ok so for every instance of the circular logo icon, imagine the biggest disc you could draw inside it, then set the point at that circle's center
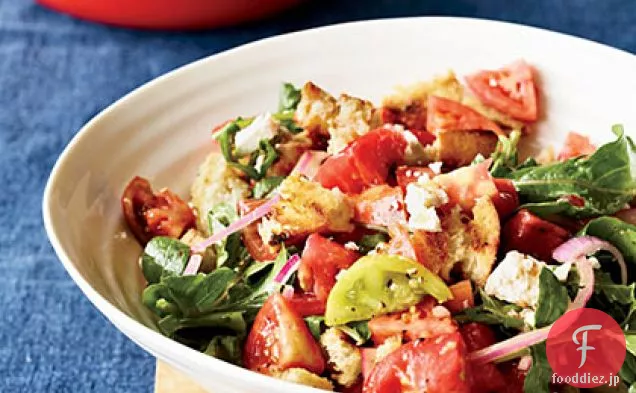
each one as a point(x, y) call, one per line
point(586, 348)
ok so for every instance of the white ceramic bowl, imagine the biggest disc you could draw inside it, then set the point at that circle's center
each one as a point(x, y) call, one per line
point(162, 131)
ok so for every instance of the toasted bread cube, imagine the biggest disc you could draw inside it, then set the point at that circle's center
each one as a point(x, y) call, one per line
point(307, 207)
point(446, 86)
point(304, 377)
point(473, 244)
point(459, 148)
point(316, 109)
point(345, 359)
point(215, 182)
point(355, 118)
point(409, 102)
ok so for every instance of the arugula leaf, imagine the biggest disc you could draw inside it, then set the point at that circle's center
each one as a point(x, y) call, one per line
point(287, 103)
point(621, 234)
point(226, 348)
point(615, 293)
point(286, 119)
point(265, 186)
point(540, 374)
point(197, 309)
point(229, 251)
point(505, 158)
point(225, 321)
point(315, 323)
point(370, 242)
point(358, 331)
point(630, 341)
point(493, 312)
point(553, 299)
point(289, 97)
point(164, 256)
point(605, 181)
point(628, 371)
point(616, 300)
point(267, 154)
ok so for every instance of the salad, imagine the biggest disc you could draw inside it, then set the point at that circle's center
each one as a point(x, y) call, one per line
point(405, 247)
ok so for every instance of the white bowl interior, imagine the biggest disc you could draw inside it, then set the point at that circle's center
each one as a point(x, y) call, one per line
point(162, 132)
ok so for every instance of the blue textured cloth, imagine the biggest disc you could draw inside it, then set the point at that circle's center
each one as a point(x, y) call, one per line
point(57, 72)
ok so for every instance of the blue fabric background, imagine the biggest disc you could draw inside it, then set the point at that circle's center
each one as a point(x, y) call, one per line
point(57, 72)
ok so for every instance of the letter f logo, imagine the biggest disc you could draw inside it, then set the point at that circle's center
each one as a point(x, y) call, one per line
point(583, 343)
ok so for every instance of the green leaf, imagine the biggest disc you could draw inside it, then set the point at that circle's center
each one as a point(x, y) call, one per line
point(229, 251)
point(164, 256)
point(232, 321)
point(553, 299)
point(227, 348)
point(493, 312)
point(289, 97)
point(628, 371)
point(358, 331)
point(370, 242)
point(605, 181)
point(621, 234)
point(265, 186)
point(540, 374)
point(505, 157)
point(267, 152)
point(315, 323)
point(286, 120)
point(615, 293)
point(630, 341)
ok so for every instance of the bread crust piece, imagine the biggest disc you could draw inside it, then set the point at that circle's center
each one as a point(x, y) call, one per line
point(340, 120)
point(304, 377)
point(306, 207)
point(459, 148)
point(215, 182)
point(344, 358)
point(468, 243)
point(409, 102)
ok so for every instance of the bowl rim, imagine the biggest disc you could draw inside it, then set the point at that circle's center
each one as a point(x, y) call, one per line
point(126, 323)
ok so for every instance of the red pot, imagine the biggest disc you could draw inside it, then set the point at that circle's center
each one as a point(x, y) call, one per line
point(169, 14)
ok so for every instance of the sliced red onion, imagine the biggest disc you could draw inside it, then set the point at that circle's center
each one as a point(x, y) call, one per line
point(288, 269)
point(509, 346)
point(580, 247)
point(237, 225)
point(627, 215)
point(525, 363)
point(309, 163)
point(194, 263)
point(288, 292)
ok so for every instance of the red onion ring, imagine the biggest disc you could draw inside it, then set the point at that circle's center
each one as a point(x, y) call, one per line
point(194, 263)
point(288, 269)
point(579, 247)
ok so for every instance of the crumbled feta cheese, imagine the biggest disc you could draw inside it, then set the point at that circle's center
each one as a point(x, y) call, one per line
point(436, 167)
point(561, 272)
point(421, 199)
point(248, 139)
point(516, 280)
point(528, 316)
point(595, 263)
point(351, 246)
point(414, 152)
point(266, 229)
